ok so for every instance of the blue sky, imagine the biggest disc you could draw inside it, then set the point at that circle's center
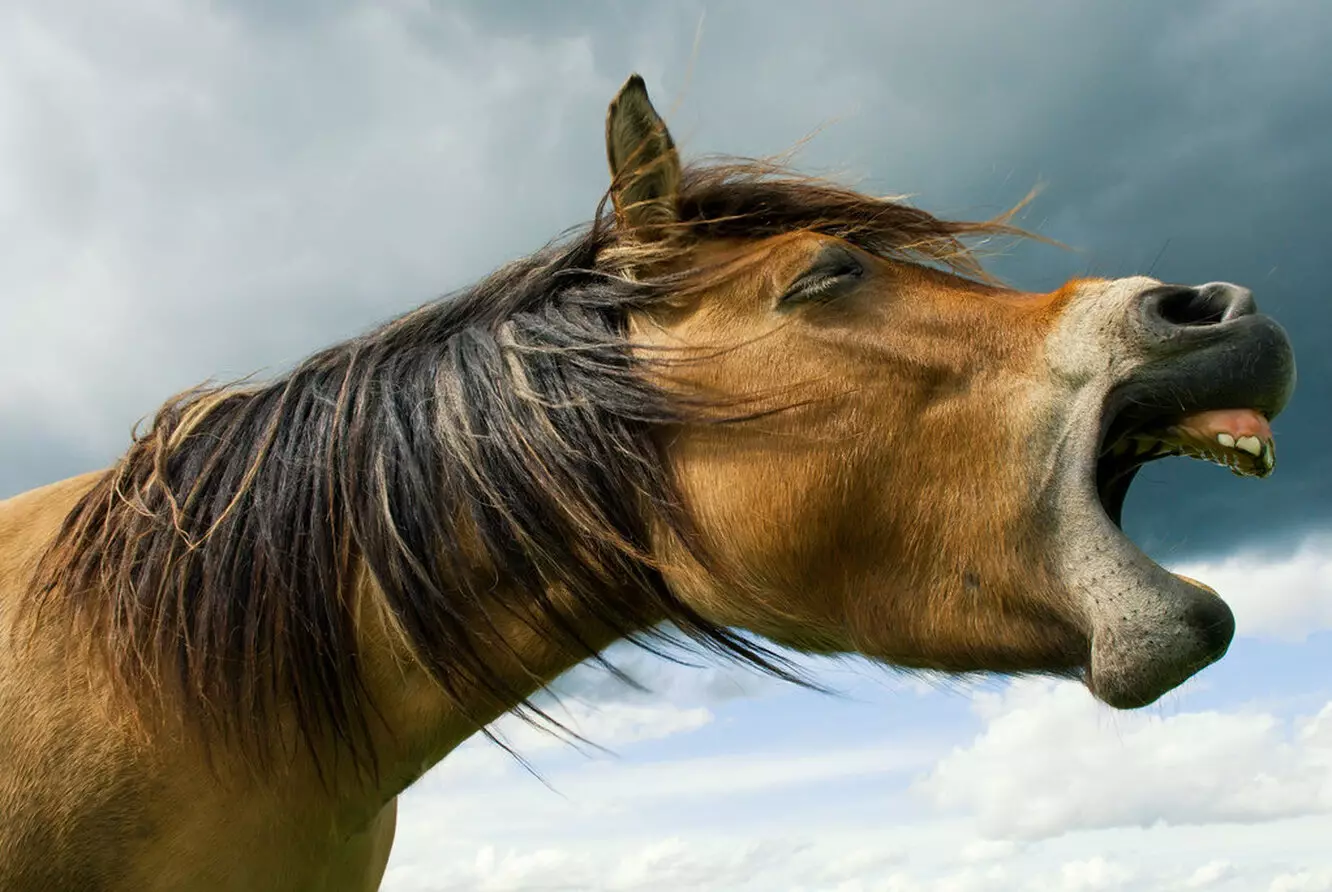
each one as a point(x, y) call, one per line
point(205, 190)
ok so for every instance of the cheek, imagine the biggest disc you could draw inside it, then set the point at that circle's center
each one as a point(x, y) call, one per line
point(946, 477)
point(748, 501)
point(768, 510)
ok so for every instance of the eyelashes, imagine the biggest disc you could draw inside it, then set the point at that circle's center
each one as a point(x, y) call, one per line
point(834, 271)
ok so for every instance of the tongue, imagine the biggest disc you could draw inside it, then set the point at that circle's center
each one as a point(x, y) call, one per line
point(1236, 422)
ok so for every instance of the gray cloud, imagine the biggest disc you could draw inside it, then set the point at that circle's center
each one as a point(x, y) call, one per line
point(221, 189)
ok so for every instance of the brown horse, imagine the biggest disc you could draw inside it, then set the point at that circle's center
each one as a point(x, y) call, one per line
point(740, 401)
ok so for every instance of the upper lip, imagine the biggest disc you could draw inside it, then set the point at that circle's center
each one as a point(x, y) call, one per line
point(1229, 357)
point(1207, 347)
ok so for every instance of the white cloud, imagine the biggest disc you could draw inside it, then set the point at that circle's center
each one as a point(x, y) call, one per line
point(1094, 874)
point(605, 790)
point(786, 821)
point(1209, 874)
point(912, 858)
point(713, 682)
point(1052, 760)
point(1303, 881)
point(990, 849)
point(611, 727)
point(1286, 599)
point(604, 724)
point(665, 865)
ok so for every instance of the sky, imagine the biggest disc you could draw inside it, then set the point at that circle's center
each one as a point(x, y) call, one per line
point(196, 190)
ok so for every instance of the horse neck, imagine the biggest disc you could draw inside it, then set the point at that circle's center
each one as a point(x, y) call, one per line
point(417, 724)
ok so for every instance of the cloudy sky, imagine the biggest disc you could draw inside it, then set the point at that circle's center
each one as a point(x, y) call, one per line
point(192, 190)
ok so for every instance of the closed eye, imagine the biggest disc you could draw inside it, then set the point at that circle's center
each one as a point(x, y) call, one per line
point(833, 271)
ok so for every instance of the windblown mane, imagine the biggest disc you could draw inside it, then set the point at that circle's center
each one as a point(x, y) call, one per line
point(221, 551)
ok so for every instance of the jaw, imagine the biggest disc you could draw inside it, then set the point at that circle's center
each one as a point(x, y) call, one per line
point(1150, 630)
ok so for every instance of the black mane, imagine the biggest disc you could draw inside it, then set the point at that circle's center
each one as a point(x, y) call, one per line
point(505, 432)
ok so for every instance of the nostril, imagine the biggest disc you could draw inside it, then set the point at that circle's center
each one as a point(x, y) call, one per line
point(1191, 307)
point(1177, 306)
point(1214, 623)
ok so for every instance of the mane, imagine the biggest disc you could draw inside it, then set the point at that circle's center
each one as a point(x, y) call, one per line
point(506, 430)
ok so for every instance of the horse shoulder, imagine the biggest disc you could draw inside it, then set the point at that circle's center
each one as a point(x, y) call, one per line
point(87, 802)
point(64, 776)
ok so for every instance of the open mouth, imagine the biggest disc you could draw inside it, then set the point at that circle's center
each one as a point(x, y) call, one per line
point(1152, 629)
point(1232, 372)
point(1212, 373)
point(1239, 439)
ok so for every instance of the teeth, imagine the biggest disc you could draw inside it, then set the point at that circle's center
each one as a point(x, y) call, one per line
point(1225, 449)
point(1251, 445)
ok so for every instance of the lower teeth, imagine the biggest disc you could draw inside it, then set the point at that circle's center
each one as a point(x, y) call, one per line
point(1237, 463)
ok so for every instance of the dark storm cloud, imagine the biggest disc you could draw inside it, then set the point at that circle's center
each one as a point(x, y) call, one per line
point(1191, 138)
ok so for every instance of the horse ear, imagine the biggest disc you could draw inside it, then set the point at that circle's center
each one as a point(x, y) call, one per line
point(644, 166)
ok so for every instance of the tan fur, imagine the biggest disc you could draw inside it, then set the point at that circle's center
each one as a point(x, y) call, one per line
point(88, 803)
point(92, 800)
point(882, 484)
point(806, 511)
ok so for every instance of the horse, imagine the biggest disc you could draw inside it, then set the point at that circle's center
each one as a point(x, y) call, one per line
point(743, 408)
